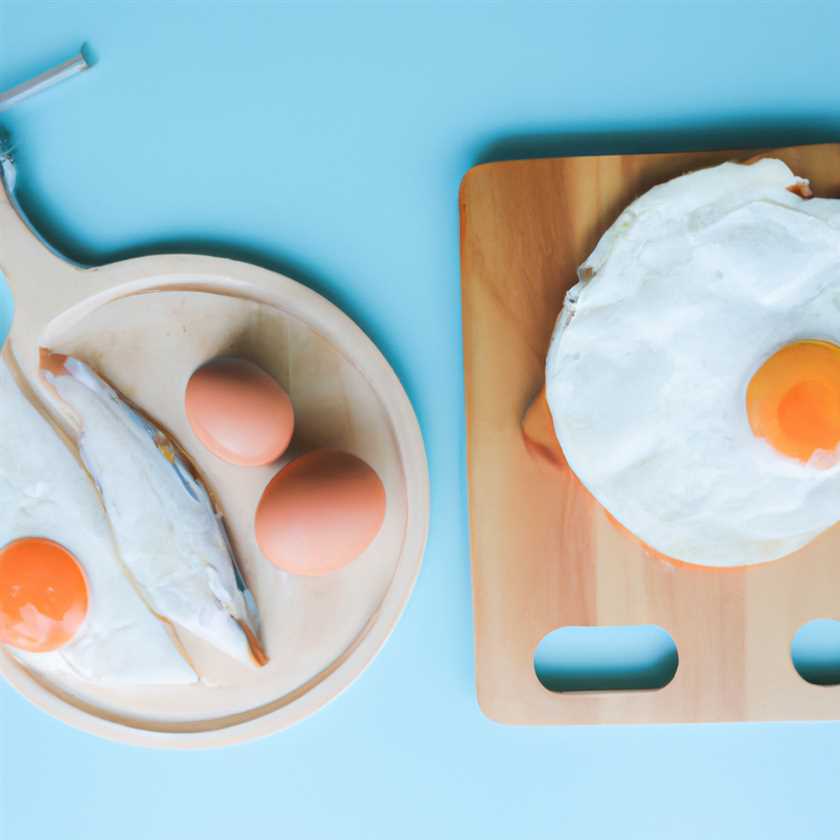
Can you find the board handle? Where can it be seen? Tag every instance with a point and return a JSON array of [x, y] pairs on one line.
[[23, 251], [26, 258], [19, 240], [42, 282]]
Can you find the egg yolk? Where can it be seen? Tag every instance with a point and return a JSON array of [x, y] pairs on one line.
[[793, 400], [43, 595]]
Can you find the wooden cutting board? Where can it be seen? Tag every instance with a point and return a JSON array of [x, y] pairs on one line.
[[544, 555]]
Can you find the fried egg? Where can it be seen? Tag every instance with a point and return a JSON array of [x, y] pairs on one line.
[[693, 376], [169, 534], [67, 606]]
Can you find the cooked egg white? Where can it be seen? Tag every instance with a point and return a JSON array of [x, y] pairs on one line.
[[45, 492], [690, 292]]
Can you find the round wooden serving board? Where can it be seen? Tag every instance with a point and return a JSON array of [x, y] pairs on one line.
[[146, 324]]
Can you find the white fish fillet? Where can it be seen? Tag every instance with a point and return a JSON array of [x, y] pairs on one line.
[[169, 534], [44, 492]]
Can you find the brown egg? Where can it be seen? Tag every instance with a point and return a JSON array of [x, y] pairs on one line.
[[239, 412], [320, 512]]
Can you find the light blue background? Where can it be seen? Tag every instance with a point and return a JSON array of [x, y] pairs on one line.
[[328, 142]]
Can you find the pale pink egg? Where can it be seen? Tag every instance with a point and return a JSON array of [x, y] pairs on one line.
[[239, 412], [320, 512]]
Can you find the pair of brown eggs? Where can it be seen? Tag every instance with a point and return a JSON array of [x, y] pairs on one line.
[[323, 508]]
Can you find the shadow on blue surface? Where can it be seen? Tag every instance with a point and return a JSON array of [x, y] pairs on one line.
[[751, 132], [626, 658]]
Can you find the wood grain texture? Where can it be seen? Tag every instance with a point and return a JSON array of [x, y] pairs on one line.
[[544, 554], [146, 324]]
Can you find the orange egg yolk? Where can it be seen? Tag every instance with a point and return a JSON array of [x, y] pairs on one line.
[[793, 400], [43, 595]]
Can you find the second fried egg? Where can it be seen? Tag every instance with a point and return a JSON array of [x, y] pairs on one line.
[[694, 374]]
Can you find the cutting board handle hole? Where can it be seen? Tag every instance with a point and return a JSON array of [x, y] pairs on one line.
[[815, 651], [616, 658]]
